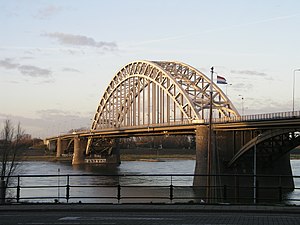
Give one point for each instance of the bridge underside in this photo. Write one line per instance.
(234, 153)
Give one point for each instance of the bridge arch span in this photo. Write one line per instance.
(158, 92)
(270, 145)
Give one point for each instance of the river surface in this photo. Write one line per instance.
(104, 189)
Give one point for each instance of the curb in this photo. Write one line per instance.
(150, 207)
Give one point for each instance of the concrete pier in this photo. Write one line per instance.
(201, 161)
(78, 155)
(51, 145)
(61, 146)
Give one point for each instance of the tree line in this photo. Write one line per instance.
(166, 142)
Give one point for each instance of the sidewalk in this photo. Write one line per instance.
(150, 208)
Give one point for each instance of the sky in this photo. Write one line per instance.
(58, 57)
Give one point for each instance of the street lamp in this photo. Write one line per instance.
(294, 88)
(242, 104)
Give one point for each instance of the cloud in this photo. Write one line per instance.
(47, 81)
(242, 86)
(80, 40)
(8, 64)
(52, 113)
(62, 121)
(34, 71)
(72, 51)
(48, 11)
(62, 115)
(259, 106)
(49, 122)
(27, 70)
(70, 70)
(249, 72)
(218, 29)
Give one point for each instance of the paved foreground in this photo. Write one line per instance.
(51, 214)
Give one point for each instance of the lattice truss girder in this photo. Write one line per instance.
(274, 147)
(270, 146)
(144, 93)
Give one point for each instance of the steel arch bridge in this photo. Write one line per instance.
(159, 92)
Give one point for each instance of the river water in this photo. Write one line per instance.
(101, 184)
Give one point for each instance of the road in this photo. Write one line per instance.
(145, 218)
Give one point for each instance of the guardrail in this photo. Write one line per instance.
(150, 188)
(258, 117)
(245, 118)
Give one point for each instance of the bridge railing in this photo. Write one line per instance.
(245, 118)
(258, 117)
(148, 188)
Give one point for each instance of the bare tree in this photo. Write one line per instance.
(10, 143)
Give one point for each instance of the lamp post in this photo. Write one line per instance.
(294, 88)
(209, 149)
(242, 104)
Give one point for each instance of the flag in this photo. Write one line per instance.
(221, 80)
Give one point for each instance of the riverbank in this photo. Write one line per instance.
(125, 157)
(128, 155)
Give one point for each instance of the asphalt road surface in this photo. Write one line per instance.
(146, 218)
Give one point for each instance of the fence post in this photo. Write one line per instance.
(171, 192)
(18, 190)
(225, 193)
(2, 191)
(237, 189)
(280, 194)
(280, 189)
(119, 193)
(257, 192)
(68, 189)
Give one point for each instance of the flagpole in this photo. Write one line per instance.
(209, 150)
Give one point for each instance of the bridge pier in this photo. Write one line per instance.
(58, 148)
(280, 167)
(227, 144)
(116, 151)
(200, 182)
(61, 146)
(225, 141)
(51, 145)
(79, 151)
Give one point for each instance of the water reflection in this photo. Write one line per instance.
(104, 188)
